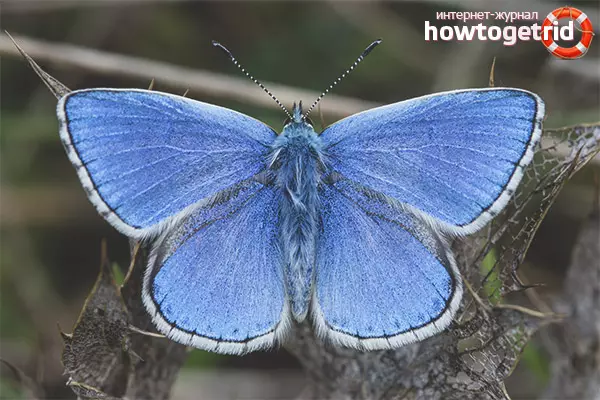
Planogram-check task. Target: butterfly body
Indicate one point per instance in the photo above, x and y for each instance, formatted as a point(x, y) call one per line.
point(297, 162)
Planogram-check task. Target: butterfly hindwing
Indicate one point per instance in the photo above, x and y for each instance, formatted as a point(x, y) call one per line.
point(457, 156)
point(384, 278)
point(145, 156)
point(215, 281)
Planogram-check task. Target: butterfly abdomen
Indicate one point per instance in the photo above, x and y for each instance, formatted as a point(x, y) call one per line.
point(296, 161)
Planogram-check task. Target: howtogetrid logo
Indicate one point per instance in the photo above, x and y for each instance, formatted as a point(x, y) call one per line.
point(549, 32)
point(585, 26)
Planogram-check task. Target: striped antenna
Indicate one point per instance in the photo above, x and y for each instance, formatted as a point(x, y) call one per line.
point(338, 80)
point(219, 45)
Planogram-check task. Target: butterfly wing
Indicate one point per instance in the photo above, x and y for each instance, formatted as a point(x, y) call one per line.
point(215, 281)
point(384, 278)
point(144, 156)
point(458, 156)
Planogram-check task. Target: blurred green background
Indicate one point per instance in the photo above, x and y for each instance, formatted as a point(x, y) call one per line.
point(51, 235)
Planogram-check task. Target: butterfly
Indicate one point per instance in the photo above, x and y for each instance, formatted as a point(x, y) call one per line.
point(254, 230)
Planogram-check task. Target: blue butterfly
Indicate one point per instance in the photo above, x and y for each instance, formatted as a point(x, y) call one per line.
point(254, 230)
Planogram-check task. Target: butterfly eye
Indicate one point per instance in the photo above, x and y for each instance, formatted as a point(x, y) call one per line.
point(287, 121)
point(309, 121)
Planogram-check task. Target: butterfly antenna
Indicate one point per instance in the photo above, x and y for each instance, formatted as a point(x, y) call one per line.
point(219, 45)
point(338, 80)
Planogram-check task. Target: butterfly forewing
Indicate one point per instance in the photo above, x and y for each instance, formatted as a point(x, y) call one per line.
point(143, 157)
point(456, 156)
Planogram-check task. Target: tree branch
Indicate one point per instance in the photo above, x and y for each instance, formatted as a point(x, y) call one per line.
point(204, 82)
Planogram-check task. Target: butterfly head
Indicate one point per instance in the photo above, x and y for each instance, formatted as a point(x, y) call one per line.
point(297, 141)
point(298, 131)
point(298, 119)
